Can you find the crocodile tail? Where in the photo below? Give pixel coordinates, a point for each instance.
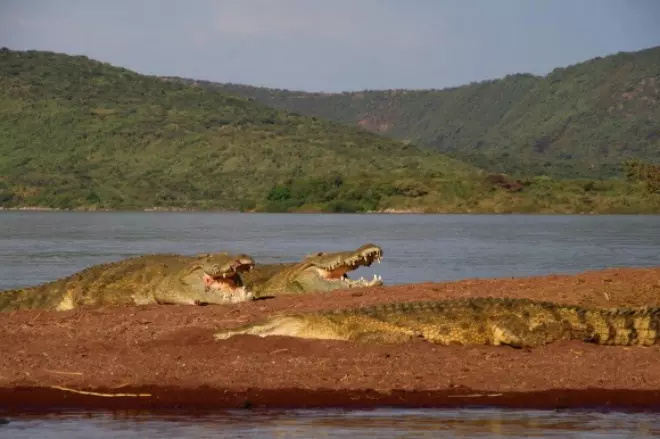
(12, 300)
(624, 326)
(39, 297)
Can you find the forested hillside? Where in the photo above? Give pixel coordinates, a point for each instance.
(78, 133)
(580, 121)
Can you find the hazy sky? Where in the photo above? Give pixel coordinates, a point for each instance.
(333, 45)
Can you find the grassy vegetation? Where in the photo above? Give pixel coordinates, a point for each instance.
(77, 133)
(581, 121)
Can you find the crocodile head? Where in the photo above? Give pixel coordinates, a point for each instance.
(329, 271)
(216, 278)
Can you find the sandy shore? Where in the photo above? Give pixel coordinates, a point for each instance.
(164, 356)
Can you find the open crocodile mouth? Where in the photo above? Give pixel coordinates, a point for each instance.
(223, 282)
(226, 288)
(227, 279)
(363, 257)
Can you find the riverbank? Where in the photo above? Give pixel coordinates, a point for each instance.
(165, 357)
(388, 211)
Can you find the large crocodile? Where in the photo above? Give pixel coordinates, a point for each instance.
(315, 273)
(151, 279)
(483, 321)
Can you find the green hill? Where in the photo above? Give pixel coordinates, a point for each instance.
(579, 121)
(78, 133)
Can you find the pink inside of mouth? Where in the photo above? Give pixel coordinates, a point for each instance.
(219, 283)
(337, 273)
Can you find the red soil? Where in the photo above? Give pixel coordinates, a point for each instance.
(168, 354)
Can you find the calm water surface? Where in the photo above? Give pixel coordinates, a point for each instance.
(377, 424)
(36, 247)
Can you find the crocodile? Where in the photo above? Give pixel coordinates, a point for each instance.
(518, 323)
(317, 272)
(212, 278)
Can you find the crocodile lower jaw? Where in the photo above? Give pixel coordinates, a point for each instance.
(236, 295)
(242, 296)
(227, 290)
(362, 282)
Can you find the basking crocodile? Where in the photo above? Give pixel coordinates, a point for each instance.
(158, 278)
(483, 321)
(315, 273)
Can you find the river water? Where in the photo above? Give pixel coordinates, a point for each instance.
(373, 424)
(37, 247)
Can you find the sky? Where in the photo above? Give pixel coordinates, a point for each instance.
(333, 45)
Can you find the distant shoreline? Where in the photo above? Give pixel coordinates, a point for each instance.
(95, 209)
(387, 211)
(184, 209)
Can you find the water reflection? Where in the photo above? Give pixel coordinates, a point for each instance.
(380, 423)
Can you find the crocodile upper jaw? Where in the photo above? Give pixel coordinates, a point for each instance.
(340, 276)
(338, 271)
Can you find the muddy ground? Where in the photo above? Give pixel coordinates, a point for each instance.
(165, 356)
